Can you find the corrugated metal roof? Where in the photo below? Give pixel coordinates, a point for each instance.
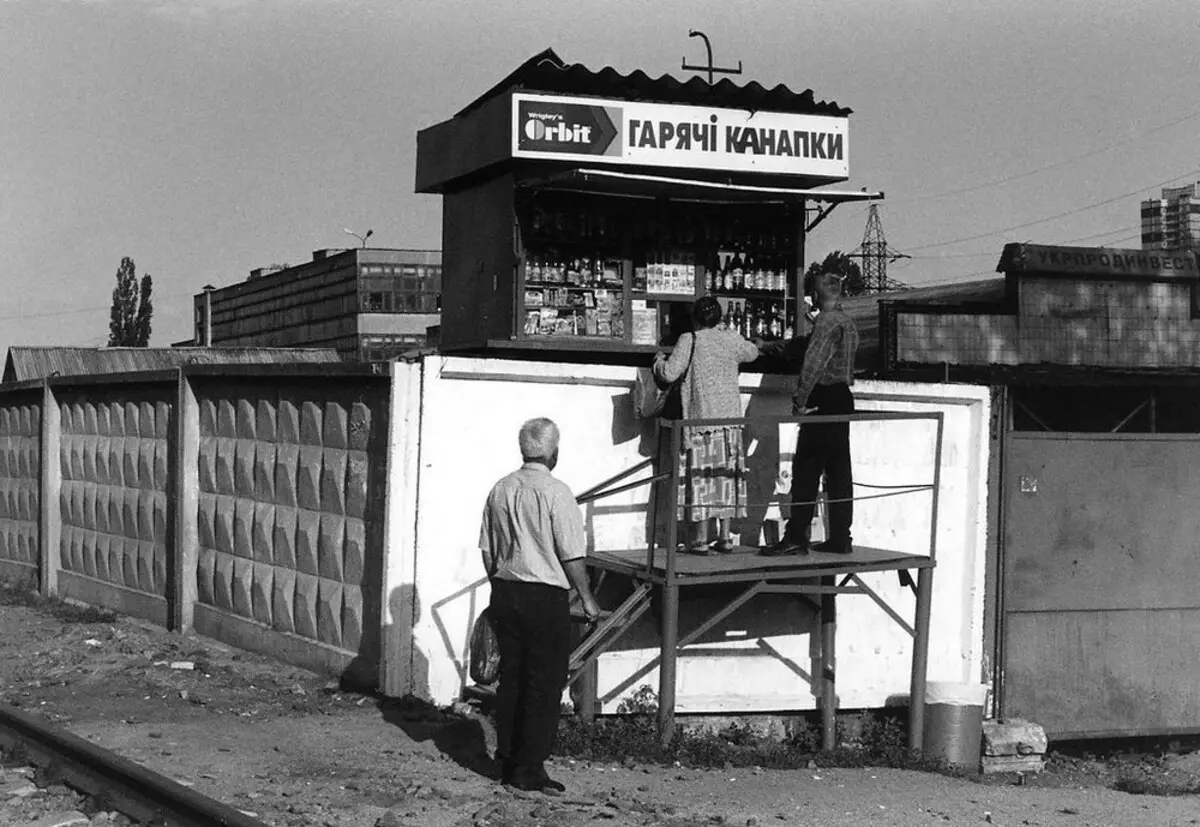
(547, 72)
(26, 363)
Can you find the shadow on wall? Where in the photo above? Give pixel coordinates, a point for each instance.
(460, 739)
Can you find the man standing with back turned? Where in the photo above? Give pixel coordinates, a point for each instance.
(533, 547)
(823, 389)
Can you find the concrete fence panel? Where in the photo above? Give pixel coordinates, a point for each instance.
(115, 479)
(20, 471)
(290, 519)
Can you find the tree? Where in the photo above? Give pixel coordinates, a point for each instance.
(129, 320)
(840, 264)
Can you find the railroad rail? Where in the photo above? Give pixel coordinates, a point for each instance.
(141, 794)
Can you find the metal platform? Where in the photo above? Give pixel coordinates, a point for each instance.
(745, 563)
(817, 577)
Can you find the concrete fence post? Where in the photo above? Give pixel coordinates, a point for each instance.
(185, 487)
(398, 659)
(50, 493)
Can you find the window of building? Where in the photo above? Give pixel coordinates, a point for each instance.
(406, 288)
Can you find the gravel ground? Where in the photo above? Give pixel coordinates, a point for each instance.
(289, 747)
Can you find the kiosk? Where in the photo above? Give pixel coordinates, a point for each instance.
(585, 211)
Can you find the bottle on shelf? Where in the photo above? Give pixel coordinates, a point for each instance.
(533, 269)
(711, 273)
(737, 268)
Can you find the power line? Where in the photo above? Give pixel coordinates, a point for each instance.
(169, 298)
(1138, 234)
(1055, 217)
(1029, 173)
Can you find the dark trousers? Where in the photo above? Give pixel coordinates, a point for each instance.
(823, 449)
(533, 630)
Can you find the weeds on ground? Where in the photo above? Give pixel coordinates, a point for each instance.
(880, 740)
(1141, 784)
(59, 609)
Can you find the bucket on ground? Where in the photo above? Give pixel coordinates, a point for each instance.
(954, 722)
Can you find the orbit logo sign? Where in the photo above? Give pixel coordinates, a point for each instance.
(678, 136)
(567, 128)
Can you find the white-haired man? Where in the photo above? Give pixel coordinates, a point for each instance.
(533, 547)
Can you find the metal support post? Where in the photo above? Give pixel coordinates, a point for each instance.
(797, 279)
(670, 605)
(920, 659)
(666, 667)
(587, 684)
(828, 667)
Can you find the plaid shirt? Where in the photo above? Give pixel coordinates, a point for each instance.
(830, 355)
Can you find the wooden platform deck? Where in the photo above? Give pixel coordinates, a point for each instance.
(747, 564)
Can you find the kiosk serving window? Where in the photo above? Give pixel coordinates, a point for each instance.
(628, 269)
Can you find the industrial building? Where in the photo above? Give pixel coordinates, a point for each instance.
(368, 304)
(1173, 221)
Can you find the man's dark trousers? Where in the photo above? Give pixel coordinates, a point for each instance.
(533, 630)
(823, 448)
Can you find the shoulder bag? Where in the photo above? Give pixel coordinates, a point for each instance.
(652, 398)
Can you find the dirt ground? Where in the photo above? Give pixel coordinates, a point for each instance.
(289, 747)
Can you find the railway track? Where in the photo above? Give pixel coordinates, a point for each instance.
(143, 795)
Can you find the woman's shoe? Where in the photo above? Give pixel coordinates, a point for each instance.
(724, 545)
(701, 549)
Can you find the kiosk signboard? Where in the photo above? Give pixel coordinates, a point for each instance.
(594, 130)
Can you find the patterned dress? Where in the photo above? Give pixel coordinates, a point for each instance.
(712, 480)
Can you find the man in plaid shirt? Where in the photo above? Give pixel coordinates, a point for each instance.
(824, 389)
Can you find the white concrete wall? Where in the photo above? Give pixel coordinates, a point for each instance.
(470, 412)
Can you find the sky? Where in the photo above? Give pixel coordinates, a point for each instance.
(207, 138)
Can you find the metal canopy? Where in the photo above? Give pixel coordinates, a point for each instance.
(645, 185)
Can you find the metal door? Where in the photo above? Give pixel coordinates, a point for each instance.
(1101, 583)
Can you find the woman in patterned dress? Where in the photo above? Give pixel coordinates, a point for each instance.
(712, 482)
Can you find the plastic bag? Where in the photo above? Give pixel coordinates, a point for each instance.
(484, 665)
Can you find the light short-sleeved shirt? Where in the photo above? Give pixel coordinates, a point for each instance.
(531, 526)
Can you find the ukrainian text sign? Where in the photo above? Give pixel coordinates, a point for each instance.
(1166, 265)
(556, 127)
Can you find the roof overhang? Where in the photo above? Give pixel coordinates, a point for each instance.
(645, 185)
